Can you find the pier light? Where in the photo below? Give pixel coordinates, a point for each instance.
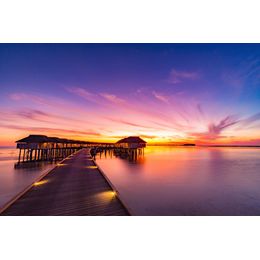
(92, 167)
(38, 183)
(108, 195)
(61, 164)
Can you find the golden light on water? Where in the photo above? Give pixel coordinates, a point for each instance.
(38, 183)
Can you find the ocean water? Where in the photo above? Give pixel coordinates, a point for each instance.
(187, 180)
(14, 180)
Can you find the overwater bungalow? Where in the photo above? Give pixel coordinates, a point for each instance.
(32, 142)
(42, 147)
(131, 142)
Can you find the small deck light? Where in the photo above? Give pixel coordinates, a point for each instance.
(91, 167)
(108, 195)
(61, 164)
(38, 183)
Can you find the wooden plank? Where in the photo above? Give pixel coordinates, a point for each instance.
(75, 187)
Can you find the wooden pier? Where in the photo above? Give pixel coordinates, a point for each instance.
(74, 187)
(34, 148)
(43, 148)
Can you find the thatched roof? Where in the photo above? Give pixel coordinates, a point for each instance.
(131, 139)
(34, 139)
(46, 139)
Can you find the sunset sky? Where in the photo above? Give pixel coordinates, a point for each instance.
(203, 93)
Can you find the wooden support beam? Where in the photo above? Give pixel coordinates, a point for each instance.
(19, 155)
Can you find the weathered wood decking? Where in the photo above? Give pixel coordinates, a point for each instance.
(75, 187)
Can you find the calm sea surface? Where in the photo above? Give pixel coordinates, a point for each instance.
(13, 181)
(188, 180)
(166, 180)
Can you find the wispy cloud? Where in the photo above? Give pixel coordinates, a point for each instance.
(160, 97)
(32, 114)
(177, 76)
(247, 122)
(215, 129)
(96, 98)
(83, 93)
(200, 110)
(18, 96)
(112, 98)
(152, 114)
(243, 76)
(60, 131)
(252, 118)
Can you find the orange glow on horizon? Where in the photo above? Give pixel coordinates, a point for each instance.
(123, 119)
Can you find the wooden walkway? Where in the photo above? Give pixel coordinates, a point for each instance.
(75, 187)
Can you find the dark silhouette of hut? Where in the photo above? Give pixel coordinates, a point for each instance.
(32, 141)
(131, 142)
(42, 147)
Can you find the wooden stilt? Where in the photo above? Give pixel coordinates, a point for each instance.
(19, 155)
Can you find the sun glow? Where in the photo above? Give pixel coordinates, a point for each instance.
(202, 103)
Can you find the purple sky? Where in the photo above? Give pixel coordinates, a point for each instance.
(207, 93)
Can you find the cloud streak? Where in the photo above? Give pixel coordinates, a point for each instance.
(83, 93)
(151, 114)
(160, 97)
(215, 129)
(177, 76)
(50, 130)
(112, 98)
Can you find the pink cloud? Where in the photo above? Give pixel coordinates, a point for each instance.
(96, 98)
(160, 97)
(51, 130)
(112, 98)
(175, 116)
(17, 96)
(215, 130)
(83, 93)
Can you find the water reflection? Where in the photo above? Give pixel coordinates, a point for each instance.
(14, 179)
(33, 165)
(135, 156)
(187, 180)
